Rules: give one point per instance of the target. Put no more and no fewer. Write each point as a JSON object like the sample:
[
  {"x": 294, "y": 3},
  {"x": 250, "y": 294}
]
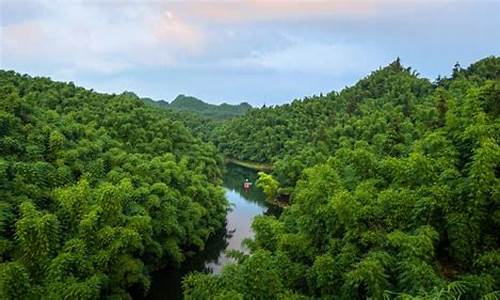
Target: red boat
[{"x": 247, "y": 184}]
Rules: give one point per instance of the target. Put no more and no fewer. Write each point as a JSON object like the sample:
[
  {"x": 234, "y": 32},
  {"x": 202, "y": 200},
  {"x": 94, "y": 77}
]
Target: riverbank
[
  {"x": 250, "y": 165},
  {"x": 166, "y": 283}
]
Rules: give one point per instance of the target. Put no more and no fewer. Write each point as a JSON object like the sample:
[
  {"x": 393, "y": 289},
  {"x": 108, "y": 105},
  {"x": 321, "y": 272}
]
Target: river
[{"x": 245, "y": 205}]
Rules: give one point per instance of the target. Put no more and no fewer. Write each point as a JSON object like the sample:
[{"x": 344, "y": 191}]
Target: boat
[{"x": 247, "y": 184}]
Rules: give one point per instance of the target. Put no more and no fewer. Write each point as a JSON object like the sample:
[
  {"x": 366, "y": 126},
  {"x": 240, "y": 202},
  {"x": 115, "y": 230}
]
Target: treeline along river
[{"x": 245, "y": 205}]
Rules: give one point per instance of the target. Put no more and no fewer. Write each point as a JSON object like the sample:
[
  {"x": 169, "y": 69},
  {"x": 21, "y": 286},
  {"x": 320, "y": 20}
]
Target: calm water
[{"x": 166, "y": 283}]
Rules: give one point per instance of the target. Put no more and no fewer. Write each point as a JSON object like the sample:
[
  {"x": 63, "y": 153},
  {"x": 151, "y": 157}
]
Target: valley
[{"x": 391, "y": 189}]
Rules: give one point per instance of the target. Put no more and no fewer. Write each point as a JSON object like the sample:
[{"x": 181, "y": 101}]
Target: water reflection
[
  {"x": 246, "y": 204},
  {"x": 238, "y": 226},
  {"x": 233, "y": 181},
  {"x": 167, "y": 282}
]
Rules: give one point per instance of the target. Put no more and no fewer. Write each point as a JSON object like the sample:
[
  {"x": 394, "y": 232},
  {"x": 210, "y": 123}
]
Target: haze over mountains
[{"x": 185, "y": 103}]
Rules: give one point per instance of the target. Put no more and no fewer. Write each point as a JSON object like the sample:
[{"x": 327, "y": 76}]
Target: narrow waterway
[{"x": 246, "y": 204}]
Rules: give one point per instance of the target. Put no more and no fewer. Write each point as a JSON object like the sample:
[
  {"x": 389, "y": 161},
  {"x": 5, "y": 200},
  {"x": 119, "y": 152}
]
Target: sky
[{"x": 261, "y": 52}]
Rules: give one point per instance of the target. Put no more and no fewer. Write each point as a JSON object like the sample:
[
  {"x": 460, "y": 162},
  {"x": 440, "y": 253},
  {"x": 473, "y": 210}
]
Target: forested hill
[
  {"x": 395, "y": 192},
  {"x": 96, "y": 191},
  {"x": 389, "y": 109},
  {"x": 314, "y": 123},
  {"x": 220, "y": 112},
  {"x": 394, "y": 186}
]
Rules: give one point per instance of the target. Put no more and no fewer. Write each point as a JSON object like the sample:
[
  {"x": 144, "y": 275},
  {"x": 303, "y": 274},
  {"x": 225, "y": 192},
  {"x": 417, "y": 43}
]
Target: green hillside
[
  {"x": 216, "y": 112},
  {"x": 390, "y": 187},
  {"x": 97, "y": 191},
  {"x": 394, "y": 192},
  {"x": 184, "y": 103}
]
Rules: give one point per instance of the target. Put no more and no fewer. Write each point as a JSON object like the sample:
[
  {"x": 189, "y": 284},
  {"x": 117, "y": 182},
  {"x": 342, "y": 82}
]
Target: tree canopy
[
  {"x": 96, "y": 191},
  {"x": 183, "y": 103},
  {"x": 395, "y": 191},
  {"x": 393, "y": 182}
]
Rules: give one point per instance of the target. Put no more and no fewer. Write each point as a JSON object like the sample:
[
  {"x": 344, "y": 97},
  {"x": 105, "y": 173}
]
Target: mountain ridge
[{"x": 218, "y": 112}]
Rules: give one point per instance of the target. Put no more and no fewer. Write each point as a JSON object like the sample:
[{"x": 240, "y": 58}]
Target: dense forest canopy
[
  {"x": 394, "y": 191},
  {"x": 393, "y": 183},
  {"x": 96, "y": 191},
  {"x": 389, "y": 109},
  {"x": 191, "y": 104}
]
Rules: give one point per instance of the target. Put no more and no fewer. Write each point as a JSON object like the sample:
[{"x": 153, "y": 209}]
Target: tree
[{"x": 269, "y": 185}]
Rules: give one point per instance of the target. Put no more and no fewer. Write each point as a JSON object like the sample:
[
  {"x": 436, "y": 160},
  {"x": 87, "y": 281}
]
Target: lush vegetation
[
  {"x": 394, "y": 186},
  {"x": 395, "y": 191},
  {"x": 97, "y": 190},
  {"x": 220, "y": 112},
  {"x": 250, "y": 165}
]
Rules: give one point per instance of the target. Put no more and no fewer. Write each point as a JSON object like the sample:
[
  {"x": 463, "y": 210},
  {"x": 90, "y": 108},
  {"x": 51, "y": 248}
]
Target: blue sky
[{"x": 262, "y": 52}]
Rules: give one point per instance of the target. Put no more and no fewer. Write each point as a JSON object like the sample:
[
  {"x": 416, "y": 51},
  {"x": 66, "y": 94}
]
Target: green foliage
[
  {"x": 395, "y": 190},
  {"x": 256, "y": 278},
  {"x": 96, "y": 191},
  {"x": 216, "y": 112},
  {"x": 269, "y": 185},
  {"x": 190, "y": 104},
  {"x": 14, "y": 281}
]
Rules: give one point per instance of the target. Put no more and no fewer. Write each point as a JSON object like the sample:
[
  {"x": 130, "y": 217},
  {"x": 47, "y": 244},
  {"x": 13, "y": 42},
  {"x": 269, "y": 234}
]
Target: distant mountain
[
  {"x": 223, "y": 111},
  {"x": 160, "y": 103},
  {"x": 218, "y": 112}
]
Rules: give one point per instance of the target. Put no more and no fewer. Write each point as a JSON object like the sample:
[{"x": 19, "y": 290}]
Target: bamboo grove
[
  {"x": 393, "y": 187},
  {"x": 96, "y": 191}
]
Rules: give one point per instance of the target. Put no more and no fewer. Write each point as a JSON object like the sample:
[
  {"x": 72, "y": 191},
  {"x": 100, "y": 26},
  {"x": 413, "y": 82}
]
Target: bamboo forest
[{"x": 386, "y": 189}]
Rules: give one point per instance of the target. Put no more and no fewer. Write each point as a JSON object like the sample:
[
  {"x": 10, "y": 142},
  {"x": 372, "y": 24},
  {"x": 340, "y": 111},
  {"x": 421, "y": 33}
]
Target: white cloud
[
  {"x": 93, "y": 37},
  {"x": 239, "y": 11},
  {"x": 238, "y": 47},
  {"x": 312, "y": 57}
]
